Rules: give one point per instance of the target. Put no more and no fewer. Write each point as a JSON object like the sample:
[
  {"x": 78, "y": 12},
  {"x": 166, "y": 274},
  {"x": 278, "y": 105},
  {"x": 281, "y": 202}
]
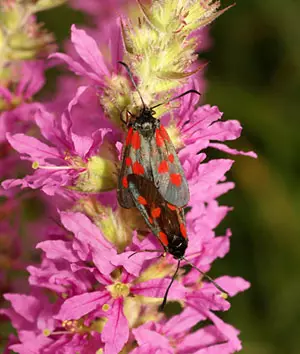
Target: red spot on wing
[
  {"x": 142, "y": 200},
  {"x": 163, "y": 237},
  {"x": 171, "y": 207},
  {"x": 171, "y": 158},
  {"x": 176, "y": 179},
  {"x": 150, "y": 220},
  {"x": 138, "y": 169},
  {"x": 129, "y": 136},
  {"x": 164, "y": 133},
  {"x": 183, "y": 230},
  {"x": 125, "y": 182},
  {"x": 155, "y": 213},
  {"x": 128, "y": 161},
  {"x": 136, "y": 140},
  {"x": 163, "y": 167},
  {"x": 159, "y": 139}
]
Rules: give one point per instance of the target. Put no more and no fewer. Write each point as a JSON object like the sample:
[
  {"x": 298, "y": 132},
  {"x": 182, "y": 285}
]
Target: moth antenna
[
  {"x": 224, "y": 293},
  {"x": 161, "y": 307},
  {"x": 176, "y": 97},
  {"x": 132, "y": 80}
]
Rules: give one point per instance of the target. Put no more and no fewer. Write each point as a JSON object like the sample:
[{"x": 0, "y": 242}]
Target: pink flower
[
  {"x": 109, "y": 300},
  {"x": 102, "y": 299},
  {"x": 90, "y": 63},
  {"x": 61, "y": 163},
  {"x": 19, "y": 112},
  {"x": 100, "y": 11},
  {"x": 40, "y": 332},
  {"x": 200, "y": 127},
  {"x": 177, "y": 332}
]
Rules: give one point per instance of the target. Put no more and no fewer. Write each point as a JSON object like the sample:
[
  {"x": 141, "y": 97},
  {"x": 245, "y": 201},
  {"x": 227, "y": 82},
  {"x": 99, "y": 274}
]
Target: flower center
[
  {"x": 119, "y": 290},
  {"x": 75, "y": 326},
  {"x": 73, "y": 163}
]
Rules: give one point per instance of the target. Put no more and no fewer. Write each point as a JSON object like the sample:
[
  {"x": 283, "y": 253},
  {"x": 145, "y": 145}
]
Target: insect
[
  {"x": 166, "y": 221},
  {"x": 149, "y": 152}
]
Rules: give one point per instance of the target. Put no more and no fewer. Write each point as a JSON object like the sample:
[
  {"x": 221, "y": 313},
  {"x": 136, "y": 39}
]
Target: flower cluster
[
  {"x": 25, "y": 45},
  {"x": 89, "y": 294}
]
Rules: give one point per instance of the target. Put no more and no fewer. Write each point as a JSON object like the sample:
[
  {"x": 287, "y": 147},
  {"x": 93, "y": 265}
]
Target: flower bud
[
  {"x": 100, "y": 176},
  {"x": 42, "y": 5},
  {"x": 11, "y": 16}
]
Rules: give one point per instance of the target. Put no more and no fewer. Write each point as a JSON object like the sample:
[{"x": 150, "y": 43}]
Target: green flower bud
[
  {"x": 100, "y": 176},
  {"x": 11, "y": 17},
  {"x": 42, "y": 5}
]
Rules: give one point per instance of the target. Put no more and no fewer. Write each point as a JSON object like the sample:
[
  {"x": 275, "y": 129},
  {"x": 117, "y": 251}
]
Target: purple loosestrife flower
[
  {"x": 102, "y": 300},
  {"x": 39, "y": 332},
  {"x": 81, "y": 271},
  {"x": 71, "y": 160},
  {"x": 16, "y": 110},
  {"x": 176, "y": 335}
]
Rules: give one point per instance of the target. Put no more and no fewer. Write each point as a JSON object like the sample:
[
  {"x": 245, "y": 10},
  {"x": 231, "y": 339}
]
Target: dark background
[{"x": 254, "y": 76}]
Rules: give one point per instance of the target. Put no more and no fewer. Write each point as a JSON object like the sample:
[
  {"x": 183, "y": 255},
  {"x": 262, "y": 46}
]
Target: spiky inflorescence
[{"x": 102, "y": 300}]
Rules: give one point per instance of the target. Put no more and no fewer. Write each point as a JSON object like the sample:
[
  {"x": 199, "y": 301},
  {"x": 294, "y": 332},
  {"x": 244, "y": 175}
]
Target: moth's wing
[
  {"x": 163, "y": 219},
  {"x": 143, "y": 194},
  {"x": 167, "y": 171},
  {"x": 135, "y": 160}
]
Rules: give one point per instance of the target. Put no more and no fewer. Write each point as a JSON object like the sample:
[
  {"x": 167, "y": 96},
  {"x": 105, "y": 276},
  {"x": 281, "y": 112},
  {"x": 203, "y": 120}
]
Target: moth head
[{"x": 177, "y": 246}]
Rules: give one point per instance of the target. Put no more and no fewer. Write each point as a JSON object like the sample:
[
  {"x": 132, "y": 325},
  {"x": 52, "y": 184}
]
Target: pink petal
[
  {"x": 157, "y": 288},
  {"x": 46, "y": 122},
  {"x": 89, "y": 52},
  {"x": 202, "y": 118},
  {"x": 32, "y": 345},
  {"x": 222, "y": 131},
  {"x": 77, "y": 68},
  {"x": 228, "y": 332},
  {"x": 156, "y": 340},
  {"x": 88, "y": 233},
  {"x": 58, "y": 249},
  {"x": 202, "y": 339},
  {"x": 225, "y": 148},
  {"x": 213, "y": 171},
  {"x": 134, "y": 264},
  {"x": 32, "y": 78},
  {"x": 25, "y": 305},
  {"x": 5, "y": 93},
  {"x": 217, "y": 247},
  {"x": 31, "y": 148},
  {"x": 80, "y": 305},
  {"x": 116, "y": 331},
  {"x": 188, "y": 318},
  {"x": 233, "y": 285},
  {"x": 82, "y": 144},
  {"x": 149, "y": 349}
]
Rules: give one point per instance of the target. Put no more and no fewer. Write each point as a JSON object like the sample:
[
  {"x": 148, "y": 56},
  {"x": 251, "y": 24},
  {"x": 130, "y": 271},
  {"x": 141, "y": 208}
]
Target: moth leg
[{"x": 134, "y": 253}]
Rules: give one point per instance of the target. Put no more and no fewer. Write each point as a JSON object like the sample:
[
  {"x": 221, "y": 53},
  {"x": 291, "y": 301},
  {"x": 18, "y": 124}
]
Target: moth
[
  {"x": 166, "y": 221},
  {"x": 149, "y": 152}
]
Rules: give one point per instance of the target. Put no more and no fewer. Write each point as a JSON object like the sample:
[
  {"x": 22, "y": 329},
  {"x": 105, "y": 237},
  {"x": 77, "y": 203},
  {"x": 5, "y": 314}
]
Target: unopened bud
[
  {"x": 11, "y": 17},
  {"x": 42, "y": 5}
]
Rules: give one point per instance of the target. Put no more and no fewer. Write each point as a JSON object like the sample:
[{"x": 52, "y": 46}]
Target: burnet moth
[
  {"x": 166, "y": 221},
  {"x": 149, "y": 152}
]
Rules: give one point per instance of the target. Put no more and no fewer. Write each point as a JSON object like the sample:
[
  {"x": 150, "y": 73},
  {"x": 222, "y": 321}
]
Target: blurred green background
[{"x": 254, "y": 77}]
